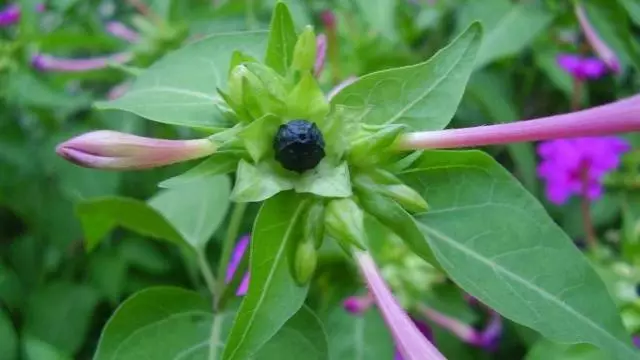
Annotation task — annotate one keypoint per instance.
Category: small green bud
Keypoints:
(407, 197)
(257, 90)
(313, 226)
(344, 221)
(304, 54)
(305, 262)
(372, 147)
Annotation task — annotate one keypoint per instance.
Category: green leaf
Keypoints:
(158, 323)
(548, 350)
(282, 40)
(497, 242)
(326, 180)
(8, 337)
(424, 96)
(257, 183)
(100, 216)
(380, 16)
(35, 349)
(181, 88)
(301, 337)
(508, 28)
(197, 209)
(307, 101)
(633, 9)
(363, 336)
(273, 296)
(218, 164)
(60, 314)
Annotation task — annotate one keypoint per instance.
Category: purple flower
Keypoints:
(582, 68)
(576, 166)
(636, 341)
(51, 63)
(358, 304)
(10, 15)
(236, 258)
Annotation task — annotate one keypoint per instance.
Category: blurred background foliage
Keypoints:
(55, 297)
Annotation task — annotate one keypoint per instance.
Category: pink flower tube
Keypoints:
(51, 63)
(599, 46)
(112, 150)
(410, 341)
(618, 117)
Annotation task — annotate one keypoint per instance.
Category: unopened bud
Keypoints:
(344, 221)
(305, 262)
(407, 197)
(113, 150)
(313, 226)
(304, 53)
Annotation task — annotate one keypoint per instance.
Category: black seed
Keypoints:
(299, 145)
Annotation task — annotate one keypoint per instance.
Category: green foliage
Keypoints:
(423, 96)
(501, 257)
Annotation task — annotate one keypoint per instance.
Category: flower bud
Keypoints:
(304, 53)
(305, 261)
(256, 89)
(313, 225)
(407, 197)
(344, 221)
(113, 150)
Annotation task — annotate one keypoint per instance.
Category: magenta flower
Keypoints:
(582, 68)
(112, 150)
(238, 252)
(576, 166)
(10, 15)
(358, 304)
(51, 63)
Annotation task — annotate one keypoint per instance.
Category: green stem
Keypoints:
(214, 342)
(227, 246)
(207, 273)
(250, 16)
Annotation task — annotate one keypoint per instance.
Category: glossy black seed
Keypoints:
(299, 145)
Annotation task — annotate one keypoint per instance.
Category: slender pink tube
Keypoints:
(411, 343)
(599, 46)
(618, 117)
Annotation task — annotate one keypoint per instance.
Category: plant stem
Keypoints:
(576, 98)
(214, 341)
(227, 246)
(207, 273)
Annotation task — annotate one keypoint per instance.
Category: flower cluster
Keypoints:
(576, 166)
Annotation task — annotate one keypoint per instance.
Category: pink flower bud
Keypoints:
(357, 304)
(122, 31)
(113, 150)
